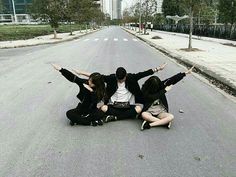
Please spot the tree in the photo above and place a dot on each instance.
(52, 11)
(227, 13)
(107, 19)
(69, 13)
(172, 7)
(83, 10)
(128, 16)
(1, 6)
(158, 19)
(192, 8)
(149, 8)
(98, 16)
(206, 15)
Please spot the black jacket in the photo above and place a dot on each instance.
(88, 99)
(131, 84)
(150, 98)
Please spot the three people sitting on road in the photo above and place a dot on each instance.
(122, 97)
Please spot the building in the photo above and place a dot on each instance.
(159, 6)
(115, 9)
(21, 11)
(21, 6)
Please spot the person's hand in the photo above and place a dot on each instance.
(190, 70)
(161, 67)
(56, 67)
(88, 87)
(168, 88)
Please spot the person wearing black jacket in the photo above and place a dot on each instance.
(156, 105)
(92, 91)
(123, 89)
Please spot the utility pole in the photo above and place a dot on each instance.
(14, 10)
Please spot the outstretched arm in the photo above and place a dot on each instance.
(69, 75)
(149, 72)
(176, 78)
(84, 73)
(160, 68)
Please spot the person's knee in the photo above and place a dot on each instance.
(138, 109)
(171, 117)
(104, 108)
(144, 114)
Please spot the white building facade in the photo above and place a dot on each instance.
(159, 6)
(115, 9)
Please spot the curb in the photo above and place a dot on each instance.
(211, 76)
(54, 42)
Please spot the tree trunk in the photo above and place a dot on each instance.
(231, 30)
(71, 33)
(55, 33)
(191, 29)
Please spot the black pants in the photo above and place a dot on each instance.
(125, 113)
(75, 116)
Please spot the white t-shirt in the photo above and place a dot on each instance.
(122, 94)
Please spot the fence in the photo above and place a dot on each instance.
(216, 31)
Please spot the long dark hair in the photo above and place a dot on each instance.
(151, 86)
(98, 81)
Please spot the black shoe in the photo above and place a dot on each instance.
(100, 122)
(110, 118)
(94, 123)
(72, 123)
(145, 125)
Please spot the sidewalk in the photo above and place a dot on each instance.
(47, 39)
(214, 59)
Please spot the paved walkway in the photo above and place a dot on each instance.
(214, 57)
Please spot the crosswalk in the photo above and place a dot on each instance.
(110, 39)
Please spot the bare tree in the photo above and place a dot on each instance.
(192, 7)
(149, 8)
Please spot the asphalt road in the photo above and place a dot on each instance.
(36, 139)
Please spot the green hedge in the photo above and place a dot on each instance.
(18, 32)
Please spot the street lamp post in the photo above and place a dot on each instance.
(14, 10)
